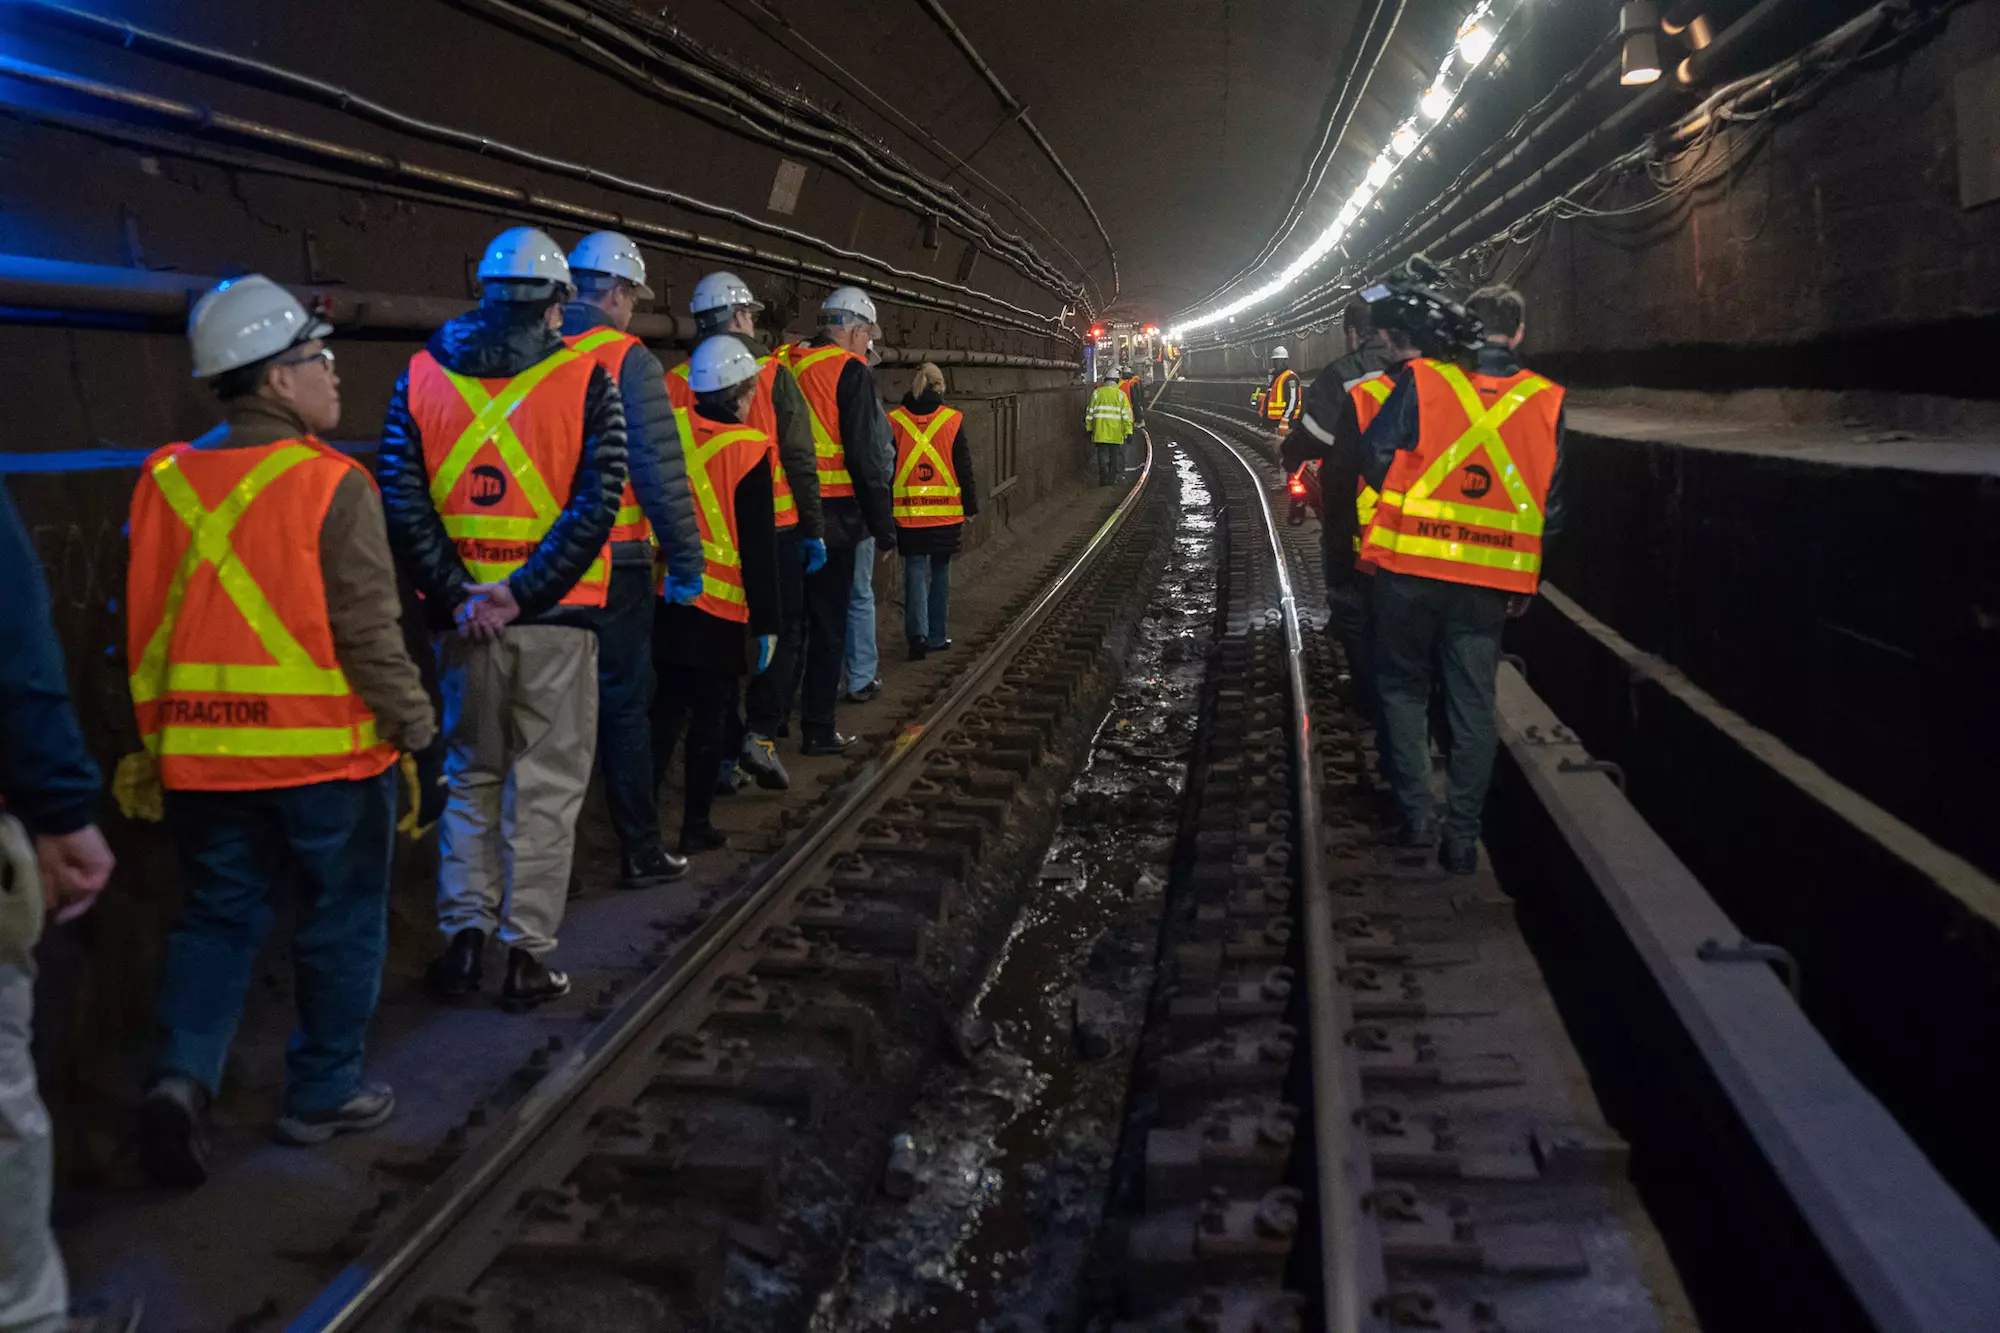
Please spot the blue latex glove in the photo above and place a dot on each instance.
(767, 644)
(814, 551)
(682, 588)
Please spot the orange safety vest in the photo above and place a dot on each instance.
(1368, 396)
(234, 680)
(1128, 386)
(926, 493)
(818, 371)
(719, 455)
(1279, 398)
(491, 447)
(607, 346)
(1465, 505)
(764, 416)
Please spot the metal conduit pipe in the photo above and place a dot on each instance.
(739, 108)
(945, 356)
(208, 121)
(1008, 100)
(196, 55)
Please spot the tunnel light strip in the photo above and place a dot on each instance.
(1476, 36)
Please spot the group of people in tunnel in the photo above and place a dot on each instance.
(605, 551)
(1452, 452)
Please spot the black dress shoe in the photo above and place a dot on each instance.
(530, 982)
(456, 972)
(865, 693)
(651, 869)
(938, 647)
(833, 744)
(172, 1136)
(917, 650)
(702, 838)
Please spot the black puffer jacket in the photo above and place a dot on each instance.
(498, 342)
(941, 538)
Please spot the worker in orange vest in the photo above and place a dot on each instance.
(705, 643)
(655, 515)
(933, 495)
(1468, 467)
(272, 693)
(502, 466)
(1280, 401)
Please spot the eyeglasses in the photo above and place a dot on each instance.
(324, 356)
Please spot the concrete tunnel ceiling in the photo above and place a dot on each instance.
(1189, 126)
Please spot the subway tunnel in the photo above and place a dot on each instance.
(1100, 980)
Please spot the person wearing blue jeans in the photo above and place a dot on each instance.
(931, 498)
(926, 597)
(864, 659)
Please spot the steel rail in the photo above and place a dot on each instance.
(361, 1288)
(1351, 1268)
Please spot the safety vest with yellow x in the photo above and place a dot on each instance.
(937, 500)
(818, 371)
(718, 457)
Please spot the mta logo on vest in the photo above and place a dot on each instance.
(489, 486)
(925, 472)
(1475, 481)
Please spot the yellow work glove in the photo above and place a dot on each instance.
(135, 785)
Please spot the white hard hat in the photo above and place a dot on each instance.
(722, 291)
(245, 320)
(525, 254)
(1280, 354)
(851, 301)
(720, 362)
(613, 253)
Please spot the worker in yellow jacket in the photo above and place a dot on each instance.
(1109, 421)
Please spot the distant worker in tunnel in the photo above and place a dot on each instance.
(855, 461)
(1131, 384)
(1108, 419)
(1469, 471)
(272, 691)
(1338, 408)
(704, 643)
(502, 465)
(1282, 397)
(723, 303)
(933, 497)
(656, 513)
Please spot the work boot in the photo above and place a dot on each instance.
(917, 650)
(729, 779)
(696, 838)
(939, 647)
(530, 982)
(760, 760)
(1415, 833)
(371, 1105)
(1459, 858)
(172, 1135)
(649, 870)
(456, 972)
(832, 743)
(865, 693)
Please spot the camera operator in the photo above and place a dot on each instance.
(1468, 470)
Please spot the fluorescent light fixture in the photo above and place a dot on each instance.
(1435, 103)
(1380, 170)
(1474, 41)
(1405, 140)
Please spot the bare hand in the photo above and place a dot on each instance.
(487, 610)
(75, 868)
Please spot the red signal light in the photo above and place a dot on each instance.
(1298, 484)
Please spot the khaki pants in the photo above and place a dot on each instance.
(520, 724)
(33, 1291)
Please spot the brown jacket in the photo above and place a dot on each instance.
(362, 603)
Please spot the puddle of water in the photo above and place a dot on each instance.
(1015, 1148)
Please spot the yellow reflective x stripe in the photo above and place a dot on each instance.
(716, 546)
(267, 742)
(490, 413)
(628, 515)
(497, 571)
(923, 449)
(294, 671)
(1464, 553)
(723, 590)
(596, 338)
(1378, 387)
(1484, 429)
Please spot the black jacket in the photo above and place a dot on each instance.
(795, 442)
(496, 342)
(47, 779)
(941, 538)
(1339, 456)
(652, 452)
(871, 460)
(1395, 427)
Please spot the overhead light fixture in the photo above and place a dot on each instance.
(1404, 141)
(1639, 62)
(1474, 41)
(1380, 170)
(1435, 103)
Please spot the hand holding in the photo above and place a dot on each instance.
(488, 609)
(813, 550)
(74, 867)
(682, 589)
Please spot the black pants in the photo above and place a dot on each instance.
(700, 700)
(767, 703)
(624, 699)
(827, 593)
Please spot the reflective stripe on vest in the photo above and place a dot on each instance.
(763, 416)
(933, 500)
(1368, 394)
(1460, 542)
(1277, 401)
(818, 371)
(714, 468)
(493, 546)
(237, 724)
(607, 346)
